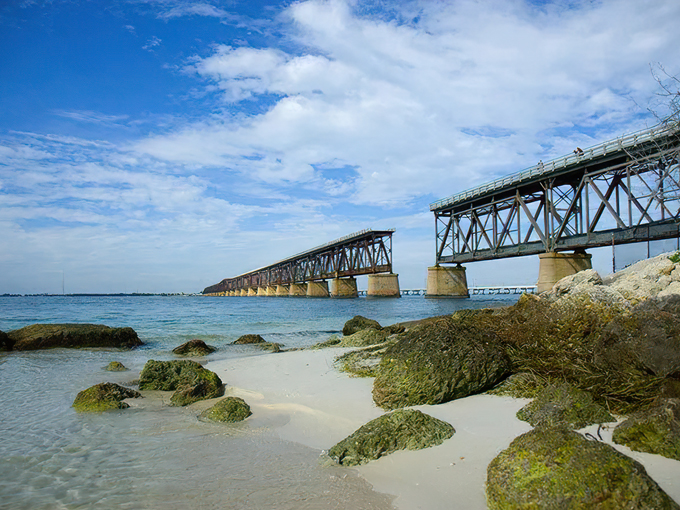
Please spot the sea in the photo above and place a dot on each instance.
(141, 458)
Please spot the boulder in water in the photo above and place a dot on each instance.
(195, 347)
(115, 366)
(357, 323)
(47, 336)
(227, 410)
(188, 379)
(103, 397)
(248, 339)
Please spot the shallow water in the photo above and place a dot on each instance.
(153, 455)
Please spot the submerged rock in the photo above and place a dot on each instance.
(115, 366)
(566, 405)
(47, 336)
(654, 431)
(405, 429)
(227, 410)
(103, 397)
(188, 379)
(357, 323)
(194, 347)
(248, 339)
(553, 467)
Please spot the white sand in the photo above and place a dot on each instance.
(301, 396)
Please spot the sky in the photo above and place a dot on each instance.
(163, 145)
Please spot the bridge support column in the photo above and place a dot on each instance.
(446, 282)
(270, 291)
(383, 285)
(344, 287)
(282, 290)
(262, 291)
(242, 292)
(317, 289)
(555, 266)
(298, 289)
(252, 291)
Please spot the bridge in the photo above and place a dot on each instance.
(368, 252)
(625, 190)
(476, 291)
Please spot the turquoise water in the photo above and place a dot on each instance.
(158, 456)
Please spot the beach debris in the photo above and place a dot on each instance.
(188, 379)
(47, 336)
(248, 339)
(564, 404)
(404, 429)
(554, 467)
(357, 323)
(195, 347)
(227, 410)
(104, 397)
(116, 366)
(439, 361)
(656, 430)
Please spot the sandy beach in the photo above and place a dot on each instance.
(305, 399)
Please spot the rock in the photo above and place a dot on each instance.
(405, 429)
(46, 336)
(553, 467)
(521, 385)
(227, 410)
(333, 341)
(103, 397)
(248, 339)
(270, 346)
(190, 381)
(115, 366)
(582, 279)
(440, 361)
(394, 329)
(6, 343)
(194, 347)
(673, 289)
(564, 404)
(357, 323)
(364, 337)
(654, 431)
(644, 279)
(362, 362)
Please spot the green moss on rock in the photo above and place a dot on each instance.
(47, 336)
(188, 379)
(248, 339)
(227, 410)
(364, 337)
(362, 362)
(115, 366)
(564, 404)
(654, 431)
(522, 385)
(195, 347)
(357, 323)
(555, 468)
(333, 341)
(405, 429)
(103, 397)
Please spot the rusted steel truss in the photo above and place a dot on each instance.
(624, 191)
(365, 252)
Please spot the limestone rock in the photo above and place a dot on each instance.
(103, 397)
(194, 347)
(586, 278)
(553, 467)
(564, 404)
(654, 431)
(227, 410)
(46, 336)
(405, 429)
(364, 337)
(188, 379)
(644, 279)
(358, 323)
(115, 366)
(673, 289)
(249, 339)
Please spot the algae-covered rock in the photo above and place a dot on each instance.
(194, 347)
(362, 362)
(440, 361)
(190, 381)
(654, 431)
(46, 336)
(270, 346)
(248, 339)
(521, 385)
(394, 329)
(103, 397)
(357, 323)
(227, 410)
(555, 468)
(564, 404)
(6, 343)
(333, 341)
(364, 337)
(405, 429)
(115, 366)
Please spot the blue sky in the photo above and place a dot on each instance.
(162, 145)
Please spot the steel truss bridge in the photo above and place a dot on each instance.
(622, 191)
(365, 252)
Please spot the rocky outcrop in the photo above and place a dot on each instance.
(115, 366)
(357, 323)
(248, 339)
(227, 410)
(362, 362)
(47, 336)
(364, 337)
(103, 397)
(188, 379)
(6, 343)
(194, 347)
(656, 430)
(553, 467)
(405, 429)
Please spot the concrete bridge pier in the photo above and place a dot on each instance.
(383, 285)
(243, 292)
(298, 289)
(282, 290)
(554, 266)
(344, 287)
(262, 291)
(317, 289)
(447, 282)
(252, 291)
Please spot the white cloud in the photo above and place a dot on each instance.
(152, 43)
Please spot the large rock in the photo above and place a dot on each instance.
(405, 429)
(115, 366)
(248, 339)
(654, 431)
(227, 410)
(188, 379)
(357, 323)
(553, 467)
(644, 279)
(583, 280)
(440, 361)
(566, 405)
(194, 347)
(46, 336)
(364, 337)
(103, 397)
